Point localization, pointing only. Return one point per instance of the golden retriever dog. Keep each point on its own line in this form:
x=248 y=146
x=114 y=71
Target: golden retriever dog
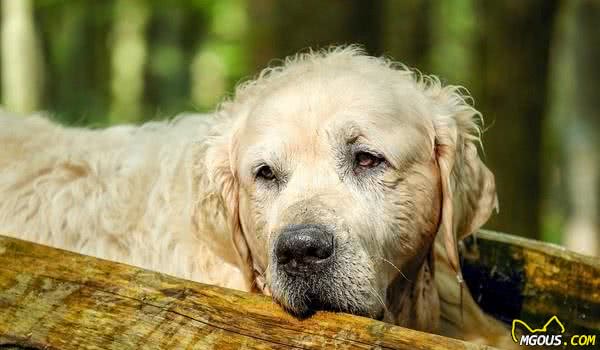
x=334 y=181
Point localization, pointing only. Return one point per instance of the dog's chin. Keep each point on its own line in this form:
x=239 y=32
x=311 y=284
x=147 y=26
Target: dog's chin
x=303 y=301
x=308 y=306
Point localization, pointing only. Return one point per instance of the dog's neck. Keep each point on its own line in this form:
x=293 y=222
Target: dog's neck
x=413 y=301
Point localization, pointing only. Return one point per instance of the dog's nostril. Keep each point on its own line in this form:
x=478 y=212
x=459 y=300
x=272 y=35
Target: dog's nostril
x=304 y=248
x=284 y=256
x=319 y=252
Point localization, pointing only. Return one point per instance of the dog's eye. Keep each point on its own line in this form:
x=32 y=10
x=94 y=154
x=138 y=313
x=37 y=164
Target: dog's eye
x=265 y=172
x=367 y=160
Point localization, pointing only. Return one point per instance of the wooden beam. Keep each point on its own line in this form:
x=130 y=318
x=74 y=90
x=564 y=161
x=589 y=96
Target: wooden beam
x=54 y=299
x=517 y=278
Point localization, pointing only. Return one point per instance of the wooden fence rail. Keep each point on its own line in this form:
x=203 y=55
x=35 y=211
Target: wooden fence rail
x=54 y=299
x=517 y=278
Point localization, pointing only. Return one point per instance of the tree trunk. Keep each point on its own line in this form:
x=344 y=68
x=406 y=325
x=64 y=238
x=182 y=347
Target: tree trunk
x=282 y=28
x=452 y=32
x=75 y=44
x=511 y=93
x=221 y=59
x=581 y=133
x=21 y=58
x=129 y=56
x=406 y=31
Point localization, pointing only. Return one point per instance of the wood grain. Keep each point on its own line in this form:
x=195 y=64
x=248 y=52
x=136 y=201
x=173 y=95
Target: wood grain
x=54 y=299
x=517 y=278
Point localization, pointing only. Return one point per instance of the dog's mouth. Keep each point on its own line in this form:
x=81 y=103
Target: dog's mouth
x=303 y=297
x=317 y=305
x=307 y=305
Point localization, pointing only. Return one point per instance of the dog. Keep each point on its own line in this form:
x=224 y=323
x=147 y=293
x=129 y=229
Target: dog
x=333 y=181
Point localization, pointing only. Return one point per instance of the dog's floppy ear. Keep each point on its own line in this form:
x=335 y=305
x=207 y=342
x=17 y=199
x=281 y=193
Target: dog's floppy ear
x=220 y=163
x=468 y=187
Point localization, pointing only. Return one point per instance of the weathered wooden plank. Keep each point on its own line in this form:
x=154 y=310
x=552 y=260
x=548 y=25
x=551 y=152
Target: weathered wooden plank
x=53 y=299
x=518 y=278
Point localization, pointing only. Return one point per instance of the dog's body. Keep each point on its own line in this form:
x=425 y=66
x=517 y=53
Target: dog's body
x=124 y=193
x=310 y=150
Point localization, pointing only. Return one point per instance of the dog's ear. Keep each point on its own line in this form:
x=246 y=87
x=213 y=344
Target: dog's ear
x=220 y=161
x=468 y=187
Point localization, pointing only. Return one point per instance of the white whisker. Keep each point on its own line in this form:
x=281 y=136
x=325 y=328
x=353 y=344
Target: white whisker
x=394 y=266
x=379 y=298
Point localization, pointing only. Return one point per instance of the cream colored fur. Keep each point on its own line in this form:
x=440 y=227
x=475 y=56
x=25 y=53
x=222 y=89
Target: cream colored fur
x=125 y=193
x=178 y=197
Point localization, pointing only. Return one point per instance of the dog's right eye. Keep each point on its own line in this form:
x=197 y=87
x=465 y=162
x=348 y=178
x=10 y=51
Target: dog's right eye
x=265 y=172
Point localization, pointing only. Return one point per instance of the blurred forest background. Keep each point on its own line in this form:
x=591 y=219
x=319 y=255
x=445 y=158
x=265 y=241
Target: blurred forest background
x=531 y=66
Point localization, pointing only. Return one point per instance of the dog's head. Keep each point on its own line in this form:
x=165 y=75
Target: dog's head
x=338 y=171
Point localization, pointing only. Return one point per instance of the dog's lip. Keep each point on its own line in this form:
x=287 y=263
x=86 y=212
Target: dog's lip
x=320 y=306
x=316 y=303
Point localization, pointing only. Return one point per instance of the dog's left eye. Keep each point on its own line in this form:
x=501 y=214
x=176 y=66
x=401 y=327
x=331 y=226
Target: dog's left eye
x=367 y=160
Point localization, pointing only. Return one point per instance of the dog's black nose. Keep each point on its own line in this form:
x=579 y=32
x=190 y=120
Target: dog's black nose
x=302 y=249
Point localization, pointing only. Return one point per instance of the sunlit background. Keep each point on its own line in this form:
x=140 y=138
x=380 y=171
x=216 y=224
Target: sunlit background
x=531 y=66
